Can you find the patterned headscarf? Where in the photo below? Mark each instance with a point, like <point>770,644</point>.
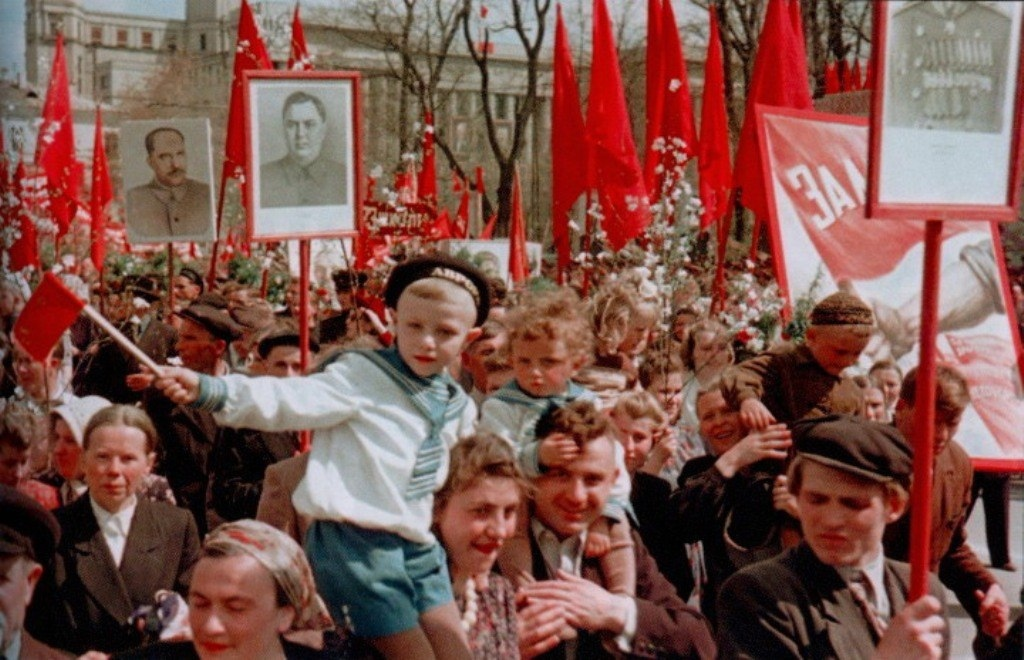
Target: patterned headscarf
<point>285,560</point>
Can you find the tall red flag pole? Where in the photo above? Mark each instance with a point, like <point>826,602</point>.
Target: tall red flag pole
<point>250,53</point>
<point>102,193</point>
<point>426,186</point>
<point>299,59</point>
<point>55,148</point>
<point>518,263</point>
<point>677,107</point>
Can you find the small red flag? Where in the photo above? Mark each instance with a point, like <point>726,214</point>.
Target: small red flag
<point>832,85</point>
<point>24,252</point>
<point>779,79</point>
<point>488,231</point>
<point>869,75</point>
<point>55,148</point>
<point>48,313</point>
<point>856,79</point>
<point>480,180</point>
<point>461,229</point>
<point>298,59</point>
<point>614,169</point>
<point>427,183</point>
<point>568,145</point>
<point>250,53</point>
<point>518,263</point>
<point>677,106</point>
<point>655,92</point>
<point>713,164</point>
<point>102,193</point>
<point>442,228</point>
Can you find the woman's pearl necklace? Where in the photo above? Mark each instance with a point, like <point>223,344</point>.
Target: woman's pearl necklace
<point>469,615</point>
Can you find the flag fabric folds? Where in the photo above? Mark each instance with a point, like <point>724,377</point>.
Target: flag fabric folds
<point>518,263</point>
<point>55,148</point>
<point>677,107</point>
<point>250,53</point>
<point>613,168</point>
<point>298,58</point>
<point>102,193</point>
<point>48,313</point>
<point>568,145</point>
<point>713,166</point>
<point>24,252</point>
<point>427,183</point>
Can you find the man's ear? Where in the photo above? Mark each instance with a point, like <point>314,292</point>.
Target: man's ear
<point>471,336</point>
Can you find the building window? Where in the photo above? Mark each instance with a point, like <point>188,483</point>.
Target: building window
<point>122,38</point>
<point>104,82</point>
<point>55,23</point>
<point>147,39</point>
<point>202,42</point>
<point>96,35</point>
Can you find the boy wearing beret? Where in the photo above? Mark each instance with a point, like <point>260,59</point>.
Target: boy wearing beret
<point>836,595</point>
<point>383,423</point>
<point>787,384</point>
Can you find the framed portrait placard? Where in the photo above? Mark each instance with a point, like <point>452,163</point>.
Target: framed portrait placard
<point>167,175</point>
<point>946,111</point>
<point>303,154</point>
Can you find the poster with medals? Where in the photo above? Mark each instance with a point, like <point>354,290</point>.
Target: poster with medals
<point>945,121</point>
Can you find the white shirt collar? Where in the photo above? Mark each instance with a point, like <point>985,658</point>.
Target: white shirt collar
<point>565,554</point>
<point>120,522</point>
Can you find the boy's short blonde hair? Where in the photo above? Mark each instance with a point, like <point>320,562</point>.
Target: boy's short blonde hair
<point>638,404</point>
<point>437,289</point>
<point>554,315</point>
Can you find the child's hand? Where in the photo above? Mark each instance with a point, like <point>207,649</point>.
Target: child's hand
<point>599,542</point>
<point>178,384</point>
<point>558,449</point>
<point>782,499</point>
<point>755,415</point>
<point>664,450</point>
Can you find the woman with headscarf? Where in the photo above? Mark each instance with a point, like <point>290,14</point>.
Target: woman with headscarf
<point>251,586</point>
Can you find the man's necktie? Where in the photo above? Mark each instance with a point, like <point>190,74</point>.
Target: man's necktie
<point>862,592</point>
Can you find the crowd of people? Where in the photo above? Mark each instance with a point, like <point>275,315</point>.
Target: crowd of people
<point>462,472</point>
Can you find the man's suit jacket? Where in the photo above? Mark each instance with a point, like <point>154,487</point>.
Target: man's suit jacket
<point>275,507</point>
<point>666,626</point>
<point>90,599</point>
<point>33,649</point>
<point>795,606</point>
<point>150,220</point>
<point>951,556</point>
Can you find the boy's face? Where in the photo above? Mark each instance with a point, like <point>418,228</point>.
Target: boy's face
<point>668,390</point>
<point>637,437</point>
<point>432,333</point>
<point>543,366</point>
<point>843,517</point>
<point>835,349</point>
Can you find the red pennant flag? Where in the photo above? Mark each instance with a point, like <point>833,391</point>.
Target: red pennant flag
<point>518,263</point>
<point>677,111</point>
<point>480,180</point>
<point>797,23</point>
<point>102,193</point>
<point>48,313</point>
<point>298,59</point>
<point>832,85</point>
<point>462,215</point>
<point>568,144</point>
<point>779,79</point>
<point>427,183</point>
<point>869,75</point>
<point>250,53</point>
<point>442,228</point>
<point>488,231</point>
<point>713,164</point>
<point>655,94</point>
<point>614,169</point>
<point>55,149</point>
<point>856,81</point>
<point>24,252</point>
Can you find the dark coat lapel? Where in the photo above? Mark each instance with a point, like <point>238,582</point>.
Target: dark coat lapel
<point>145,553</point>
<point>100,577</point>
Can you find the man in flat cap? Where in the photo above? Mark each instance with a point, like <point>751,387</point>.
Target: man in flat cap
<point>836,595</point>
<point>28,536</point>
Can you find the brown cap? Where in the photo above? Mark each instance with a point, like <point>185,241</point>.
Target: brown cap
<point>842,308</point>
<point>217,322</point>
<point>870,450</point>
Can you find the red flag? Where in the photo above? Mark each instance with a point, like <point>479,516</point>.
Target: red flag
<point>488,231</point>
<point>869,75</point>
<point>613,166</point>
<point>518,263</point>
<point>371,185</point>
<point>480,180</point>
<point>48,313</point>
<point>462,215</point>
<point>568,144</point>
<point>102,193</point>
<point>856,80</point>
<point>24,252</point>
<point>677,111</point>
<point>55,149</point>
<point>832,85</point>
<point>779,79</point>
<point>298,59</point>
<point>405,185</point>
<point>427,183</point>
<point>655,93</point>
<point>442,228</point>
<point>797,23</point>
<point>713,164</point>
<point>250,53</point>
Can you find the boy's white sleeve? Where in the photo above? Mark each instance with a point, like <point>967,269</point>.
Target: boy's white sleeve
<point>501,419</point>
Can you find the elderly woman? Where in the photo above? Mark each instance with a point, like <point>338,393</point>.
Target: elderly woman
<point>474,513</point>
<point>251,586</point>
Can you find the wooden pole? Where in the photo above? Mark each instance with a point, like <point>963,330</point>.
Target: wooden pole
<point>121,340</point>
<point>170,278</point>
<point>924,415</point>
<point>305,437</point>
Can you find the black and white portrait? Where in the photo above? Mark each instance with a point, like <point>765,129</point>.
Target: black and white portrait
<point>167,180</point>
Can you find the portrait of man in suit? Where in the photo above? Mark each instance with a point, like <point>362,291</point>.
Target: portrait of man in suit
<point>171,206</point>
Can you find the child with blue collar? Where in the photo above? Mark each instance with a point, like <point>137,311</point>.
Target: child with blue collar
<point>549,340</point>
<point>383,423</point>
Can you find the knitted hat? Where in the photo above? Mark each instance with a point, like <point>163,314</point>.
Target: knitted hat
<point>77,412</point>
<point>870,450</point>
<point>441,266</point>
<point>842,308</point>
